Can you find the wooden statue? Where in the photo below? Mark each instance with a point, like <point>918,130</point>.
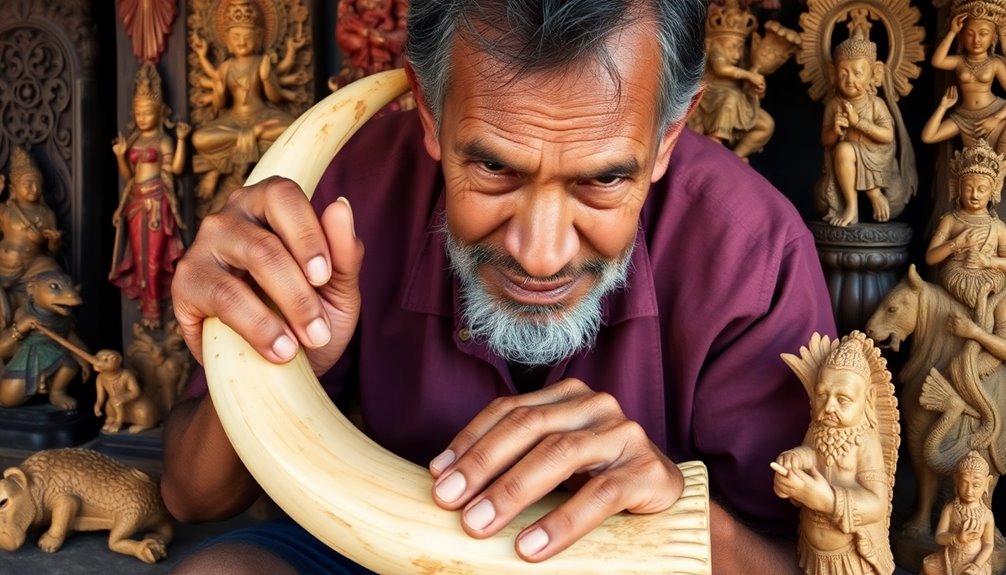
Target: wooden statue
<point>83,490</point>
<point>979,112</point>
<point>118,391</point>
<point>371,35</point>
<point>35,363</point>
<point>966,529</point>
<point>842,476</point>
<point>243,92</point>
<point>730,111</point>
<point>950,409</point>
<point>866,146</point>
<point>30,237</point>
<point>121,396</point>
<point>969,246</point>
<point>148,161</point>
<point>163,366</point>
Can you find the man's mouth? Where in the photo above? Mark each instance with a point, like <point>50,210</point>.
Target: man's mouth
<point>526,290</point>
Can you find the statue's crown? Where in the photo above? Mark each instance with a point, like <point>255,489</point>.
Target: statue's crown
<point>980,159</point>
<point>973,462</point>
<point>21,164</point>
<point>849,356</point>
<point>148,83</point>
<point>241,14</point>
<point>729,19</point>
<point>855,47</point>
<point>993,10</point>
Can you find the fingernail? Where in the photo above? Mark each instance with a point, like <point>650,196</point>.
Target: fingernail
<point>318,332</point>
<point>352,226</point>
<point>532,542</point>
<point>451,487</point>
<point>317,271</point>
<point>284,347</point>
<point>480,515</point>
<point>441,461</point>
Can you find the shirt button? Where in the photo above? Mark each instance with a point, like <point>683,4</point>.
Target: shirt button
<point>464,334</point>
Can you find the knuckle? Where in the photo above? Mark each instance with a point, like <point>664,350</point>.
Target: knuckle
<point>465,437</point>
<point>266,249</point>
<point>653,468</point>
<point>560,447</point>
<point>238,196</point>
<point>479,460</point>
<point>526,418</point>
<point>607,492</point>
<point>509,488</point>
<point>225,295</point>
<point>283,190</point>
<point>301,301</point>
<point>632,431</point>
<point>500,406</point>
<point>212,224</point>
<point>180,286</point>
<point>603,403</point>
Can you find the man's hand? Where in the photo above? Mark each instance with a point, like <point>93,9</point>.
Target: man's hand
<point>268,234</point>
<point>520,448</point>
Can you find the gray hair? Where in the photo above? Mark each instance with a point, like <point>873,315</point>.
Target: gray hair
<point>536,35</point>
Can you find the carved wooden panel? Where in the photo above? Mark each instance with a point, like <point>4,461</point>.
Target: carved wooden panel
<point>48,54</point>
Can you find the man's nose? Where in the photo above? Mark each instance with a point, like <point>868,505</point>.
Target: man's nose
<point>541,235</point>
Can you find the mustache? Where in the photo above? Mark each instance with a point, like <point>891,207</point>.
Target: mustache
<point>484,255</point>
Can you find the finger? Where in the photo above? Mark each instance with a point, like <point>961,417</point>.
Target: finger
<point>211,278</point>
<point>496,411</point>
<point>340,297</point>
<point>602,497</point>
<point>511,439</point>
<point>202,289</point>
<point>288,258</point>
<point>281,205</point>
<point>558,457</point>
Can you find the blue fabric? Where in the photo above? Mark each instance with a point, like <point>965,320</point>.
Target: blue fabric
<point>294,545</point>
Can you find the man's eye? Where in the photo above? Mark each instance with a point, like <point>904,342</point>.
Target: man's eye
<point>493,166</point>
<point>607,179</point>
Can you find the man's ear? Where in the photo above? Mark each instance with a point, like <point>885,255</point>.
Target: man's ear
<point>671,136</point>
<point>431,138</point>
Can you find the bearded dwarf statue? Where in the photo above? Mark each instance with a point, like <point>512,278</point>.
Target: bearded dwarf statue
<point>842,476</point>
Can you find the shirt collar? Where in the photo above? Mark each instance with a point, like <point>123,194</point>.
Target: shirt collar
<point>433,289</point>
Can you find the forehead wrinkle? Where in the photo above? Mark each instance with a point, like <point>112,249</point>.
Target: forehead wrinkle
<point>533,117</point>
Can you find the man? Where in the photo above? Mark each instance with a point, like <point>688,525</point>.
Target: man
<point>544,299</point>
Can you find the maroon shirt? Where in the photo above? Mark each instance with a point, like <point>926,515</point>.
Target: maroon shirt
<point>724,278</point>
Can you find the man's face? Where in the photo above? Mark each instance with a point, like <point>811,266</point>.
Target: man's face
<point>548,172</point>
<point>839,398</point>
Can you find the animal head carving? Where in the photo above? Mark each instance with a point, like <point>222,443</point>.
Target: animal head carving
<point>17,510</point>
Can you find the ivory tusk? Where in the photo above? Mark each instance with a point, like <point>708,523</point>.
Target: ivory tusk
<point>363,501</point>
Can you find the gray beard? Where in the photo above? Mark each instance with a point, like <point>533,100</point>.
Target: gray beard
<point>530,334</point>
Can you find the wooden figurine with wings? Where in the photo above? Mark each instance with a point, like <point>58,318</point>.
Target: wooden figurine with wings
<point>842,476</point>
